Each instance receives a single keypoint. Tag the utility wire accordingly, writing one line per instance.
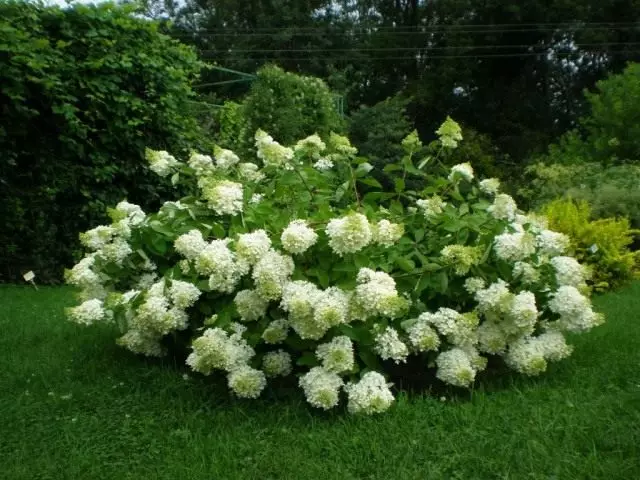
(418, 57)
(399, 49)
(372, 31)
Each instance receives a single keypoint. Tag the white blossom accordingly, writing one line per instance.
(250, 305)
(568, 271)
(190, 244)
(298, 237)
(387, 233)
(88, 312)
(225, 159)
(271, 273)
(552, 243)
(250, 172)
(431, 206)
(201, 164)
(183, 294)
(337, 355)
(250, 247)
(490, 186)
(503, 207)
(246, 382)
(370, 395)
(276, 364)
(349, 234)
(462, 170)
(321, 388)
(389, 346)
(455, 368)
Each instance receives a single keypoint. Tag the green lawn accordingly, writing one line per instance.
(73, 405)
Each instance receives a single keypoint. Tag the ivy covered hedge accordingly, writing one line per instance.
(83, 91)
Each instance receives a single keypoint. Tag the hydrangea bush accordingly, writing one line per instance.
(300, 264)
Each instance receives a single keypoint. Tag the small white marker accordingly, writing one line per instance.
(28, 277)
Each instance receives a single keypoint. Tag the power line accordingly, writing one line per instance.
(576, 24)
(425, 57)
(375, 30)
(399, 49)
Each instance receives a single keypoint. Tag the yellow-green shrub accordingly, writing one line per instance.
(602, 244)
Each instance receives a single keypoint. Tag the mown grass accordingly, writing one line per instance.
(75, 406)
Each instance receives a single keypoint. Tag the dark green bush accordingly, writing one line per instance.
(287, 105)
(83, 91)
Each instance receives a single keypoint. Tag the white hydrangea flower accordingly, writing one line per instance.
(271, 152)
(323, 164)
(216, 349)
(133, 213)
(82, 275)
(313, 145)
(526, 272)
(349, 234)
(246, 382)
(160, 162)
(88, 312)
(568, 271)
(183, 294)
(190, 244)
(321, 388)
(224, 197)
(116, 251)
(389, 346)
(331, 308)
(462, 170)
(146, 280)
(122, 229)
(523, 312)
(276, 332)
(473, 284)
(256, 198)
(299, 299)
(490, 186)
(526, 356)
(455, 368)
(422, 337)
(153, 316)
(341, 144)
(491, 338)
(337, 355)
(376, 294)
(97, 238)
(460, 329)
(250, 305)
(251, 247)
(271, 273)
(250, 172)
(217, 261)
(552, 243)
(225, 159)
(201, 164)
(276, 364)
(503, 207)
(431, 207)
(387, 233)
(370, 395)
(554, 346)
(298, 237)
(462, 257)
(512, 247)
(142, 343)
(495, 299)
(576, 314)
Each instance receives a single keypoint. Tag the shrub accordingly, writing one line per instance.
(83, 90)
(294, 270)
(291, 106)
(611, 191)
(602, 245)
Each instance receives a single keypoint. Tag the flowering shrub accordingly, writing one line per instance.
(284, 267)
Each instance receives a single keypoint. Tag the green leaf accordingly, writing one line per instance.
(405, 264)
(418, 234)
(399, 185)
(370, 359)
(175, 179)
(372, 182)
(443, 282)
(307, 359)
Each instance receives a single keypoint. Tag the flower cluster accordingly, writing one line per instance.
(335, 286)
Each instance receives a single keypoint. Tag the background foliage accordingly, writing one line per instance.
(82, 92)
(602, 244)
